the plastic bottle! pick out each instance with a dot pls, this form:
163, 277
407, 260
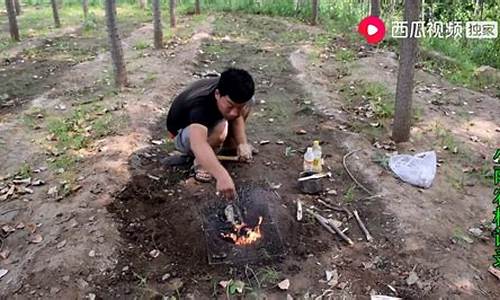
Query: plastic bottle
317, 166
308, 160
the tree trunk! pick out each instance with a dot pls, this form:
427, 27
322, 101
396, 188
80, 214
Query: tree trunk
158, 33
57, 22
315, 10
404, 89
143, 4
172, 13
14, 30
197, 8
375, 8
481, 5
17, 4
85, 5
116, 46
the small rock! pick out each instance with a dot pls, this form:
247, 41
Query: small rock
412, 278
3, 272
91, 296
54, 290
65, 278
301, 132
61, 244
280, 142
271, 120
332, 192
125, 269
284, 285
165, 277
476, 232
92, 253
264, 142
154, 253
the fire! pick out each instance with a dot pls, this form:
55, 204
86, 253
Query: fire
243, 234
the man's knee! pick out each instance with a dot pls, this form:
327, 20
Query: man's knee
218, 134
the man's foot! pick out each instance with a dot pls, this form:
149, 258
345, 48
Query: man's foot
229, 151
201, 175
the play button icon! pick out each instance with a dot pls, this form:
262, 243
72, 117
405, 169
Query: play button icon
372, 29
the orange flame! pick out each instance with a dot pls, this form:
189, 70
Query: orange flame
243, 235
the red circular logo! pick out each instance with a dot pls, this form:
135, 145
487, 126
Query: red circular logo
372, 29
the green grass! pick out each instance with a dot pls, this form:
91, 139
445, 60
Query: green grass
24, 171
141, 45
345, 55
350, 193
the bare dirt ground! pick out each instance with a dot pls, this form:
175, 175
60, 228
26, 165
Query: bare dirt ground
90, 229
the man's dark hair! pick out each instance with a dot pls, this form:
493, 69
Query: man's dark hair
237, 84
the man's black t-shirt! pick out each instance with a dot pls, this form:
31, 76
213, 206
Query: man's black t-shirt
195, 104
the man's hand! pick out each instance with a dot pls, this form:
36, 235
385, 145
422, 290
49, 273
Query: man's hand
225, 185
245, 152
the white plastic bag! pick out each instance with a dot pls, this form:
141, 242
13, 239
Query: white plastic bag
419, 169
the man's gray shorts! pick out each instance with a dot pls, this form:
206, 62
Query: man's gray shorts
182, 139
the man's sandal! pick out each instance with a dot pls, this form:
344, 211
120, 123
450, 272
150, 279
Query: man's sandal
201, 175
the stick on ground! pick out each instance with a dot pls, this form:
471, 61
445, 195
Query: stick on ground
368, 236
329, 225
335, 208
350, 174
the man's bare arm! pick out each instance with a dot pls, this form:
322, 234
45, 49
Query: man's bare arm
207, 159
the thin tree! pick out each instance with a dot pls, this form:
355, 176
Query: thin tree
143, 4
17, 4
14, 30
158, 33
375, 8
315, 11
197, 9
55, 13
116, 46
85, 6
172, 13
404, 89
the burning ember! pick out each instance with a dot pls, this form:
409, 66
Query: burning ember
242, 234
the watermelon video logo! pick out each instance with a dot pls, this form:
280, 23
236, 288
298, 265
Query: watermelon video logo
372, 29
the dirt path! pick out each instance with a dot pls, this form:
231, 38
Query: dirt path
130, 227
79, 239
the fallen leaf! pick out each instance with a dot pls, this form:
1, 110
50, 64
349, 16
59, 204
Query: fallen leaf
383, 297
22, 181
8, 229
31, 227
53, 191
61, 244
224, 283
37, 182
284, 285
5, 254
20, 226
36, 239
157, 142
332, 278
154, 253
3, 272
412, 278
